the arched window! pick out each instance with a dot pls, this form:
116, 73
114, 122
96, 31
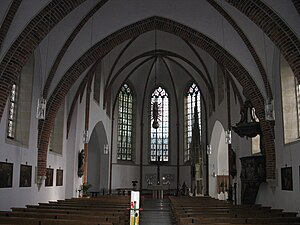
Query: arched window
19, 108
160, 136
125, 124
290, 103
192, 97
12, 112
57, 132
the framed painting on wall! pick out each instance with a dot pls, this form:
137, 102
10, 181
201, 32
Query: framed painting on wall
25, 176
6, 174
49, 177
287, 179
59, 177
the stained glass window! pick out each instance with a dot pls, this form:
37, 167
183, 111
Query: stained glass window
160, 136
192, 96
125, 124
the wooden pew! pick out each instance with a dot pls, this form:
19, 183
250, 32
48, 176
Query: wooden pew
122, 215
84, 217
205, 210
38, 221
78, 207
103, 210
239, 224
249, 220
69, 211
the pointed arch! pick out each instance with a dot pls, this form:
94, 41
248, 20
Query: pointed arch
126, 123
159, 137
192, 99
100, 49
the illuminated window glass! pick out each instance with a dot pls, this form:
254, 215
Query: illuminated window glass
290, 102
125, 124
19, 107
192, 96
160, 136
11, 127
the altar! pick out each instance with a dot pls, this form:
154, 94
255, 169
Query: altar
158, 191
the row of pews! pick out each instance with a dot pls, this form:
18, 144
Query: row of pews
104, 210
206, 210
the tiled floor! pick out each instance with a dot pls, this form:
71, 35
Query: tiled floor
156, 212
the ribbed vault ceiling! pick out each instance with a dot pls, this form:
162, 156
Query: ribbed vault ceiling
73, 37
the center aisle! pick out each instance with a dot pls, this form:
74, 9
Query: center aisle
156, 212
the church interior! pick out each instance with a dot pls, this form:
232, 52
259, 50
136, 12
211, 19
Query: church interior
171, 99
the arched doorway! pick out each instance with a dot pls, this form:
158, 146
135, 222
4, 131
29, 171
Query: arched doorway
218, 163
98, 160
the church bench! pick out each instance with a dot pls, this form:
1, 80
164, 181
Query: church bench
123, 215
78, 207
110, 198
222, 209
214, 220
187, 210
231, 215
90, 211
106, 199
66, 211
236, 212
37, 221
212, 205
88, 204
84, 217
91, 201
238, 223
95, 200
187, 205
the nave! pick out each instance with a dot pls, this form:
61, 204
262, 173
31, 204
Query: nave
200, 94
